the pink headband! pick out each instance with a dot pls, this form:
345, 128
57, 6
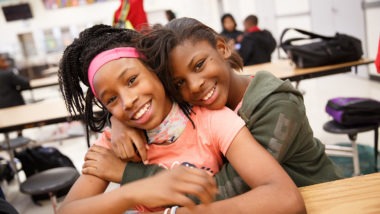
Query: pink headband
107, 56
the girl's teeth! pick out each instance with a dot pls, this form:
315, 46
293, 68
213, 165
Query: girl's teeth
142, 111
209, 95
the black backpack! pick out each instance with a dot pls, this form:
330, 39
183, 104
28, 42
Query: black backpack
328, 50
38, 159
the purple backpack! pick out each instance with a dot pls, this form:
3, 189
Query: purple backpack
354, 110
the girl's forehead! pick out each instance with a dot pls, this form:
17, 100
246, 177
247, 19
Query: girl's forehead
199, 43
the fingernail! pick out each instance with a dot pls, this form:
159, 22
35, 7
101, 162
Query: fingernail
146, 146
145, 162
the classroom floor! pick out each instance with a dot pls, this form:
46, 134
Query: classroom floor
317, 92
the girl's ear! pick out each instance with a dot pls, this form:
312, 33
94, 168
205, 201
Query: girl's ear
223, 48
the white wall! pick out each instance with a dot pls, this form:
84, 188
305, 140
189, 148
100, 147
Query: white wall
274, 15
77, 17
205, 11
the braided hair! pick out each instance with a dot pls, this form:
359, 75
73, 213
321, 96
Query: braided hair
73, 68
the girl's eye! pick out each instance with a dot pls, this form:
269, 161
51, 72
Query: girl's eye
111, 100
179, 83
199, 65
132, 80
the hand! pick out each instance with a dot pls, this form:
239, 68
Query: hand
231, 44
170, 187
239, 38
124, 141
103, 163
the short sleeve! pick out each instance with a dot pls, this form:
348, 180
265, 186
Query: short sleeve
103, 139
224, 126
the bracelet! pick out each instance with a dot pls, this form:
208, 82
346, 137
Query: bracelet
167, 211
173, 209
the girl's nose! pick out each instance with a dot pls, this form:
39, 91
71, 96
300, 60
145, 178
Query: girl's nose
129, 100
196, 85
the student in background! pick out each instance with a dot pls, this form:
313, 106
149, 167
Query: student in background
11, 85
130, 14
257, 45
230, 32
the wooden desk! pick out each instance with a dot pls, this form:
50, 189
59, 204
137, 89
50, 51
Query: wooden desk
359, 194
50, 71
284, 69
44, 82
33, 115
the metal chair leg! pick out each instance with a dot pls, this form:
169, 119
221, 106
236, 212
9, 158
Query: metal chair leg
53, 200
355, 158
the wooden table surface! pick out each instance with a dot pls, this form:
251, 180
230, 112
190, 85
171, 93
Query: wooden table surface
357, 195
32, 115
44, 82
284, 69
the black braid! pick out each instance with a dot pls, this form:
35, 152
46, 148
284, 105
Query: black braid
74, 65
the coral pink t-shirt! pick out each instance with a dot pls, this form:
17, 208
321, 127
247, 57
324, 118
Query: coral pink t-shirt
203, 146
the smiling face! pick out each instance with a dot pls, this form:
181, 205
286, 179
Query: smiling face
201, 73
132, 93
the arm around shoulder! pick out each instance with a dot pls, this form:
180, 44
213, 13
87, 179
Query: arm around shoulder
269, 182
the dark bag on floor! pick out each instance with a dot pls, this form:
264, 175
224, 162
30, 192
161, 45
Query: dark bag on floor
325, 51
38, 159
354, 110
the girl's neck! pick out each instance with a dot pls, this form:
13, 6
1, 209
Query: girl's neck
238, 86
170, 128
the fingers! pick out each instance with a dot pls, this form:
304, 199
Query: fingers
123, 148
183, 200
96, 152
89, 167
128, 143
195, 182
129, 150
140, 144
201, 185
119, 151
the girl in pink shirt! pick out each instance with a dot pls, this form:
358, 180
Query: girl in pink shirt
104, 59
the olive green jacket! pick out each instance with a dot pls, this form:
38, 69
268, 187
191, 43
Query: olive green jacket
275, 114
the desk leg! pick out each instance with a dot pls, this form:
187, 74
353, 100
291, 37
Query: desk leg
356, 69
297, 87
33, 99
376, 153
12, 157
297, 84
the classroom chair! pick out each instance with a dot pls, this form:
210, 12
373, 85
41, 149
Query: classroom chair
50, 182
10, 145
352, 132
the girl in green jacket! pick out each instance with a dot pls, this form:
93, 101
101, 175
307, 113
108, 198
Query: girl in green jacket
195, 60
